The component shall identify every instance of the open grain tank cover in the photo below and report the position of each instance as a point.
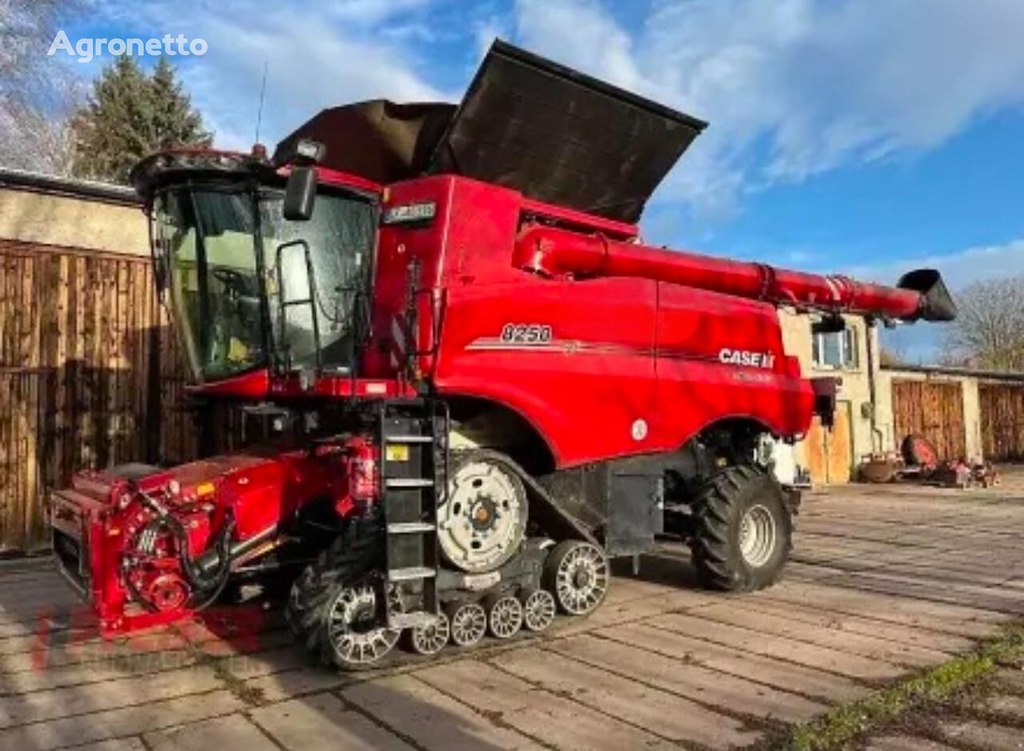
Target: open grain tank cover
(379, 140)
(526, 123)
(563, 137)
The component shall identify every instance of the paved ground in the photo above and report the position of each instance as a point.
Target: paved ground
(884, 582)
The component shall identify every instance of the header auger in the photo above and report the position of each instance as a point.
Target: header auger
(482, 385)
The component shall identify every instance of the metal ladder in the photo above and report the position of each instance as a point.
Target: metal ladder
(413, 470)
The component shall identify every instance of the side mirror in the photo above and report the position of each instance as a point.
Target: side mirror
(300, 194)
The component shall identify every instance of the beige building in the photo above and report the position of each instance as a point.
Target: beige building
(964, 413)
(48, 212)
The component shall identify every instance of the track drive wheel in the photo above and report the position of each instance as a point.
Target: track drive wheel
(742, 530)
(577, 573)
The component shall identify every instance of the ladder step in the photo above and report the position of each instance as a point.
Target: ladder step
(409, 439)
(413, 572)
(408, 528)
(408, 482)
(411, 620)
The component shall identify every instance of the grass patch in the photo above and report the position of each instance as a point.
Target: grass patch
(843, 725)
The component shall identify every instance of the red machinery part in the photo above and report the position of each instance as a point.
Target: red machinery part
(558, 252)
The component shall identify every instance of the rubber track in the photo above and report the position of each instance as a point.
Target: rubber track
(354, 553)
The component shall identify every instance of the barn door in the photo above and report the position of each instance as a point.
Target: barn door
(1002, 421)
(933, 410)
(829, 453)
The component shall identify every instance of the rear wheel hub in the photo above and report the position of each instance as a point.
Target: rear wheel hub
(757, 536)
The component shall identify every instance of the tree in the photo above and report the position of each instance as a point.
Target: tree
(37, 93)
(989, 329)
(891, 357)
(129, 115)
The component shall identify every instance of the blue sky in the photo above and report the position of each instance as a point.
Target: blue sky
(845, 135)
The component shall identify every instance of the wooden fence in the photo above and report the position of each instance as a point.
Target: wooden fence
(90, 376)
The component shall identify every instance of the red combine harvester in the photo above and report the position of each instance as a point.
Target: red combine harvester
(481, 384)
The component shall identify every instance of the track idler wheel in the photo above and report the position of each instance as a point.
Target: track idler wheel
(468, 623)
(504, 616)
(431, 639)
(538, 609)
(577, 573)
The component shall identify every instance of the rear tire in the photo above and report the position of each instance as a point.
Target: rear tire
(742, 530)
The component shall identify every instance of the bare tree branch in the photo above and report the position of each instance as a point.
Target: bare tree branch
(37, 92)
(989, 329)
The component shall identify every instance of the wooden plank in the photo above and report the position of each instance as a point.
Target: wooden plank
(840, 446)
(6, 459)
(60, 422)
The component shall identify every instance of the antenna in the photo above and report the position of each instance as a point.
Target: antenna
(263, 93)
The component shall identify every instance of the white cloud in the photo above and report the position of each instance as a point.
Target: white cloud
(922, 342)
(958, 268)
(317, 54)
(790, 87)
(796, 87)
(311, 65)
(581, 33)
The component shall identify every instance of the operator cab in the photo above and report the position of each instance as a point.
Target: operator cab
(254, 285)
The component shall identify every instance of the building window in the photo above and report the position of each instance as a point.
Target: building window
(834, 349)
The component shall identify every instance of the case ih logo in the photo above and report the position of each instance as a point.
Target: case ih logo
(745, 357)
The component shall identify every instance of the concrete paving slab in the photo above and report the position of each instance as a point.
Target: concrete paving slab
(759, 642)
(632, 610)
(73, 700)
(906, 743)
(119, 744)
(417, 710)
(277, 687)
(735, 613)
(664, 714)
(1011, 678)
(231, 732)
(710, 687)
(116, 668)
(987, 736)
(765, 670)
(539, 714)
(323, 721)
(939, 616)
(1007, 705)
(919, 635)
(115, 723)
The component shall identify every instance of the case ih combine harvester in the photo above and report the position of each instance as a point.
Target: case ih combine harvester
(483, 385)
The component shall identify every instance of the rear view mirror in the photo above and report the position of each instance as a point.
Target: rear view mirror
(300, 194)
